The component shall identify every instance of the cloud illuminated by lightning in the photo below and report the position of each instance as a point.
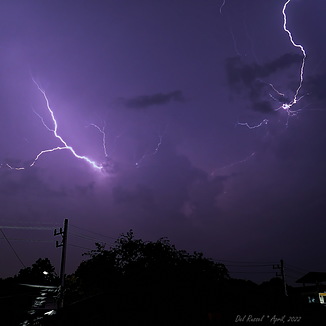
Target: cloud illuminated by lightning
(54, 130)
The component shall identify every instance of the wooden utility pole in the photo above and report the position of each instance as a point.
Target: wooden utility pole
(281, 267)
(62, 244)
(283, 278)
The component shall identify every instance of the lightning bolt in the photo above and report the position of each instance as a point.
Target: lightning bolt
(102, 131)
(287, 106)
(222, 5)
(304, 55)
(54, 130)
(296, 98)
(43, 122)
(243, 161)
(151, 153)
(246, 124)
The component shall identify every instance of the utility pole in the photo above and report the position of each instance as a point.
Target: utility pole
(282, 275)
(62, 244)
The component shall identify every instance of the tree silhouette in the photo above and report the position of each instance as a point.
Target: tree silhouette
(42, 272)
(147, 279)
(137, 261)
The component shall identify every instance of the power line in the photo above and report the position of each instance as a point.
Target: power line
(14, 251)
(299, 269)
(28, 240)
(252, 272)
(292, 270)
(99, 234)
(82, 236)
(246, 262)
(86, 237)
(73, 245)
(26, 227)
(256, 265)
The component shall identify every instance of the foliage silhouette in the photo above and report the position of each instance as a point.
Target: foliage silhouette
(146, 279)
(42, 272)
(138, 262)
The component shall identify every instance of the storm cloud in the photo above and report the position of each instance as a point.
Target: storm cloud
(175, 161)
(315, 86)
(145, 101)
(248, 79)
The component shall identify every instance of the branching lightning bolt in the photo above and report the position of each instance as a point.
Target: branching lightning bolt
(304, 55)
(54, 130)
(296, 98)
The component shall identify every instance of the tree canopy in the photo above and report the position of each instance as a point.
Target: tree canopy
(42, 272)
(138, 262)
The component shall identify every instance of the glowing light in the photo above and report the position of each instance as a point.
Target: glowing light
(50, 313)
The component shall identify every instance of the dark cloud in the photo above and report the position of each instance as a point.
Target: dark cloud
(203, 196)
(140, 194)
(93, 55)
(257, 95)
(262, 106)
(84, 190)
(240, 72)
(315, 86)
(282, 62)
(27, 182)
(243, 77)
(145, 101)
(170, 190)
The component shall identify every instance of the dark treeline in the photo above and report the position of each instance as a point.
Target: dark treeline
(151, 283)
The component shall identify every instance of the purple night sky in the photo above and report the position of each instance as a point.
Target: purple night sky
(173, 84)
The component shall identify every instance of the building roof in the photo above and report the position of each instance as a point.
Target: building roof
(313, 277)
